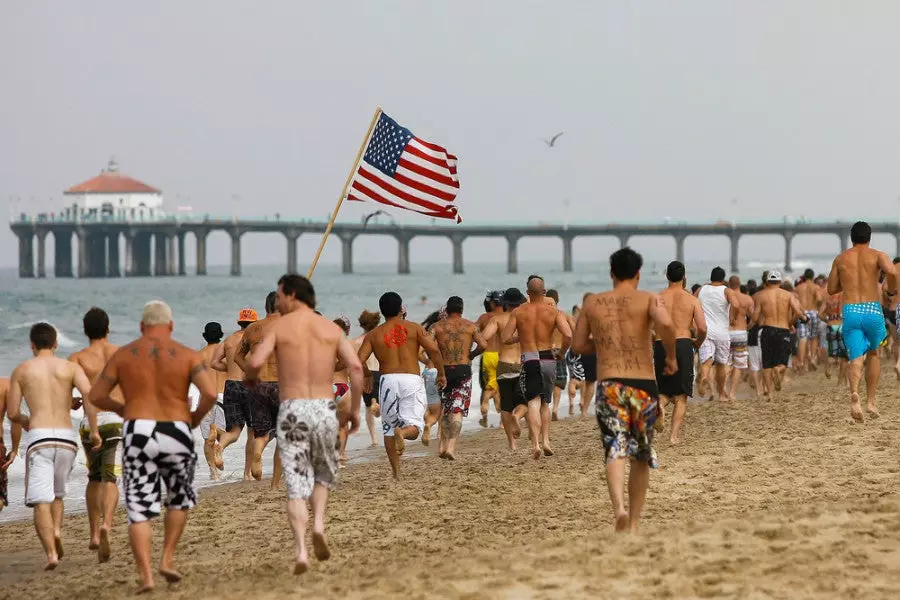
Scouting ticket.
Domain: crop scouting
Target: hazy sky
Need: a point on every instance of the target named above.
(669, 109)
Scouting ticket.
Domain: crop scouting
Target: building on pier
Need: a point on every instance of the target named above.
(112, 194)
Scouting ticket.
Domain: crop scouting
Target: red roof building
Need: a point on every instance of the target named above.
(113, 193)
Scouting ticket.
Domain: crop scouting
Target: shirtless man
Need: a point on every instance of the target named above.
(893, 310)
(576, 371)
(856, 273)
(236, 396)
(490, 357)
(369, 321)
(47, 382)
(810, 296)
(513, 405)
(532, 325)
(741, 309)
(716, 299)
(560, 382)
(619, 321)
(775, 309)
(402, 398)
(835, 350)
(104, 465)
(686, 313)
(340, 385)
(214, 421)
(154, 373)
(454, 337)
(306, 347)
(263, 397)
(7, 459)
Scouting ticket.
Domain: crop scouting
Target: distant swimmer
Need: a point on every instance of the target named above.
(738, 320)
(513, 405)
(369, 321)
(214, 422)
(488, 373)
(263, 398)
(687, 316)
(775, 309)
(810, 296)
(104, 465)
(455, 336)
(154, 374)
(532, 326)
(856, 273)
(7, 458)
(47, 382)
(402, 397)
(236, 396)
(306, 347)
(620, 321)
(716, 300)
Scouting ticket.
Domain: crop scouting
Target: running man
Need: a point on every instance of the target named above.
(835, 350)
(810, 296)
(893, 310)
(856, 273)
(402, 398)
(340, 386)
(560, 382)
(716, 298)
(532, 325)
(587, 368)
(429, 375)
(369, 321)
(47, 382)
(263, 398)
(489, 358)
(454, 337)
(105, 464)
(214, 421)
(686, 315)
(576, 371)
(306, 347)
(741, 309)
(7, 458)
(154, 373)
(616, 325)
(775, 309)
(513, 406)
(236, 396)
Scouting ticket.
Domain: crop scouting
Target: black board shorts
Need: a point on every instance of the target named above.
(776, 346)
(682, 382)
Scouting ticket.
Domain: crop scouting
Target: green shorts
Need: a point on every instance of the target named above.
(104, 464)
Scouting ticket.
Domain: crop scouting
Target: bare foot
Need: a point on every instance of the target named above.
(548, 451)
(399, 442)
(872, 411)
(374, 444)
(300, 567)
(51, 564)
(554, 416)
(536, 453)
(376, 410)
(855, 408)
(483, 421)
(320, 546)
(145, 589)
(622, 522)
(170, 575)
(59, 547)
(442, 455)
(104, 551)
(426, 436)
(828, 373)
(92, 545)
(778, 382)
(218, 457)
(449, 456)
(674, 441)
(517, 431)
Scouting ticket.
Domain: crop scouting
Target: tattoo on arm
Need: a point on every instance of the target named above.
(198, 368)
(244, 347)
(106, 378)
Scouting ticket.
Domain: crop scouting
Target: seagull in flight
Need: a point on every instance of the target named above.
(369, 217)
(552, 141)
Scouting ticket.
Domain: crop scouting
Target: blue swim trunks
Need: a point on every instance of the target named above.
(863, 328)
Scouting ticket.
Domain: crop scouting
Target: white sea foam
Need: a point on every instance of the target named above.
(62, 339)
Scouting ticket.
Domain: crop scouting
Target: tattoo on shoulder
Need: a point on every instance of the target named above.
(172, 352)
(135, 351)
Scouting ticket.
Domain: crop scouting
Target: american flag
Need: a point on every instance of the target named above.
(399, 169)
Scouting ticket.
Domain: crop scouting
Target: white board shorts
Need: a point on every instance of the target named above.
(719, 351)
(48, 464)
(215, 416)
(755, 358)
(403, 401)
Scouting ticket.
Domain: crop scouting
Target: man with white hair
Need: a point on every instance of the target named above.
(154, 373)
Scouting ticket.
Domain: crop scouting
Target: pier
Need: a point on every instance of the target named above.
(157, 247)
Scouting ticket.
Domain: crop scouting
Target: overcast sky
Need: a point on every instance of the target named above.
(694, 110)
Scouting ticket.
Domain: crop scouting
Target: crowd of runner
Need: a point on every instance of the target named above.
(296, 377)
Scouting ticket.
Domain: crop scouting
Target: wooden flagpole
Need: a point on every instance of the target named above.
(340, 201)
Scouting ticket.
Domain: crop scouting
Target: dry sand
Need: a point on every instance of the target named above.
(787, 499)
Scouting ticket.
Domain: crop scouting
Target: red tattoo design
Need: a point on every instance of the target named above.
(396, 337)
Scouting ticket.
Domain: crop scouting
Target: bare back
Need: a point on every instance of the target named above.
(46, 383)
(306, 348)
(739, 311)
(231, 344)
(155, 375)
(682, 307)
(253, 335)
(396, 346)
(509, 353)
(207, 353)
(857, 272)
(454, 337)
(619, 322)
(535, 323)
(92, 359)
(775, 307)
(481, 323)
(809, 295)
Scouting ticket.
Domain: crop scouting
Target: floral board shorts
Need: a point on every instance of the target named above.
(457, 394)
(626, 416)
(308, 445)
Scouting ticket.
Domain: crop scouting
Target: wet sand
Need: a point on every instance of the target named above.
(785, 499)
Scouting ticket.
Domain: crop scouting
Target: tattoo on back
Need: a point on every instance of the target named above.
(154, 353)
(135, 351)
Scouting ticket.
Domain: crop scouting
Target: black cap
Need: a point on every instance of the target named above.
(495, 296)
(212, 333)
(513, 297)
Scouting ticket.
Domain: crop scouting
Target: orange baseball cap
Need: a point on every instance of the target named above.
(247, 315)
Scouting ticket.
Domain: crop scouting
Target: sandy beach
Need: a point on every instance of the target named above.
(785, 499)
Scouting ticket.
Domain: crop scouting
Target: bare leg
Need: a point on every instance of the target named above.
(175, 521)
(276, 468)
(43, 524)
(615, 481)
(757, 383)
(638, 481)
(721, 375)
(557, 393)
(57, 510)
(660, 424)
(510, 426)
(767, 384)
(319, 501)
(432, 416)
(800, 359)
(735, 378)
(227, 438)
(485, 404)
(545, 429)
(298, 516)
(873, 374)
(678, 418)
(855, 375)
(92, 497)
(110, 501)
(370, 423)
(443, 435)
(534, 425)
(259, 444)
(587, 395)
(573, 384)
(140, 535)
(209, 451)
(248, 455)
(452, 427)
(703, 384)
(394, 458)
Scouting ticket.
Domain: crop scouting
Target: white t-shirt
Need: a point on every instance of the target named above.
(716, 310)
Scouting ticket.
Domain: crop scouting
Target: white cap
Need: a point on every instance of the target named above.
(774, 276)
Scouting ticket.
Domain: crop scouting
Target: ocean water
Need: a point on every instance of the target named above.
(219, 297)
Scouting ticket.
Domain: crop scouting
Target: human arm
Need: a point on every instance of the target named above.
(83, 385)
(217, 361)
(434, 353)
(798, 310)
(240, 356)
(699, 324)
(665, 331)
(252, 364)
(508, 335)
(480, 344)
(14, 401)
(890, 273)
(562, 324)
(15, 431)
(490, 330)
(349, 357)
(206, 384)
(363, 354)
(99, 396)
(834, 279)
(581, 338)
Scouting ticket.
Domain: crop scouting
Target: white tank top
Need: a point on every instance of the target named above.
(716, 310)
